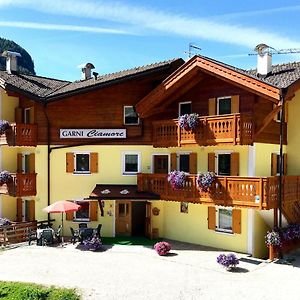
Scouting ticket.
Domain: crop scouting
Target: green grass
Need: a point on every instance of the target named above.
(128, 240)
(31, 291)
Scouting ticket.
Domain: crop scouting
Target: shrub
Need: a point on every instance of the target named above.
(162, 248)
(205, 180)
(93, 243)
(177, 179)
(228, 261)
(4, 125)
(5, 177)
(189, 121)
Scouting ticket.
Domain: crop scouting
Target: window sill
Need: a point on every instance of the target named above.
(78, 173)
(223, 232)
(130, 174)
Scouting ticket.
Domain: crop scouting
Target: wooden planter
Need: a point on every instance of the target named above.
(273, 252)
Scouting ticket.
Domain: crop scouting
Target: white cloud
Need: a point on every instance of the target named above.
(43, 26)
(167, 23)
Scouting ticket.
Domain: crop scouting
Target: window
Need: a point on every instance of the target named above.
(82, 163)
(224, 106)
(131, 163)
(184, 163)
(185, 108)
(224, 162)
(224, 220)
(83, 214)
(130, 116)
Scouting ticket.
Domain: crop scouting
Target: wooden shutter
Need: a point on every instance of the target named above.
(193, 163)
(70, 216)
(93, 211)
(236, 221)
(19, 209)
(284, 164)
(286, 112)
(211, 106)
(211, 218)
(235, 104)
(19, 163)
(31, 163)
(94, 162)
(234, 164)
(273, 164)
(18, 115)
(70, 162)
(31, 212)
(31, 115)
(173, 161)
(211, 162)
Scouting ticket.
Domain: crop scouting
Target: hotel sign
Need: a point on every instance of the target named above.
(92, 133)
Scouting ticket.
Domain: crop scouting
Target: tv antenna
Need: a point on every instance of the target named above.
(191, 48)
(261, 49)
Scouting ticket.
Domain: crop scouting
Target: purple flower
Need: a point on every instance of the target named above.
(4, 125)
(162, 248)
(228, 261)
(177, 179)
(5, 177)
(273, 238)
(205, 180)
(94, 243)
(188, 121)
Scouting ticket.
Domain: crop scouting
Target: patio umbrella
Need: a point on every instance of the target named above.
(62, 207)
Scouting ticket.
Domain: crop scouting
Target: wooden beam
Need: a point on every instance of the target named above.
(268, 119)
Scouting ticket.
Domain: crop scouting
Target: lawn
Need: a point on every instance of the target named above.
(30, 291)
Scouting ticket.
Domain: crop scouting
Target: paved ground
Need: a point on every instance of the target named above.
(136, 272)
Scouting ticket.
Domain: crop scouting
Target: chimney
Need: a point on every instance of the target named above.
(11, 61)
(86, 70)
(264, 59)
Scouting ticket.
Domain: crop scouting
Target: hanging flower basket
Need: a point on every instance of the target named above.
(205, 181)
(5, 177)
(189, 121)
(177, 179)
(4, 125)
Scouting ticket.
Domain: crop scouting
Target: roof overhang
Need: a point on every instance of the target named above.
(194, 67)
(120, 192)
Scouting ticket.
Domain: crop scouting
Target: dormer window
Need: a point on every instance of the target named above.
(184, 108)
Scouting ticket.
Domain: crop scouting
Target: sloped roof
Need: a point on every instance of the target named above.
(47, 89)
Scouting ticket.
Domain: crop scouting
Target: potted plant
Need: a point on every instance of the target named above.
(189, 121)
(94, 243)
(177, 179)
(228, 261)
(4, 222)
(205, 180)
(4, 125)
(273, 241)
(5, 177)
(162, 248)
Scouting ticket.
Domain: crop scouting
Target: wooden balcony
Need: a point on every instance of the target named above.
(236, 191)
(20, 135)
(22, 185)
(234, 129)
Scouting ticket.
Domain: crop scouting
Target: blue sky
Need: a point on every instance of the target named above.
(117, 35)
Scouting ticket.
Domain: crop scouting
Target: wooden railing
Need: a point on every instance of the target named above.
(16, 233)
(236, 129)
(20, 135)
(251, 192)
(22, 185)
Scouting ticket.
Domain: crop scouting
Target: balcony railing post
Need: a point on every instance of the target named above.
(234, 129)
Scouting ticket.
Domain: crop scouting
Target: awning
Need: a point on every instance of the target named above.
(119, 192)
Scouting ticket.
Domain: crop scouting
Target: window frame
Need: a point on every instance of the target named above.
(130, 124)
(75, 163)
(218, 228)
(179, 107)
(75, 219)
(218, 104)
(128, 173)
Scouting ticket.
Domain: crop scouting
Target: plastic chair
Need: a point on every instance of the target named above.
(82, 225)
(75, 236)
(58, 233)
(31, 235)
(98, 230)
(47, 237)
(85, 233)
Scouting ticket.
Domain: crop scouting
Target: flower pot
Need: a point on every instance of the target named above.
(272, 252)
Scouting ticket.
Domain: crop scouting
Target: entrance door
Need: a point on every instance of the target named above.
(123, 218)
(148, 225)
(161, 164)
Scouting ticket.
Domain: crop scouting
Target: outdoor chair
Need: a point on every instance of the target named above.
(47, 237)
(58, 233)
(31, 236)
(85, 234)
(98, 231)
(82, 225)
(75, 236)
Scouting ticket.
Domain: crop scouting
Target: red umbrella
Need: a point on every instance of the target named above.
(62, 207)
